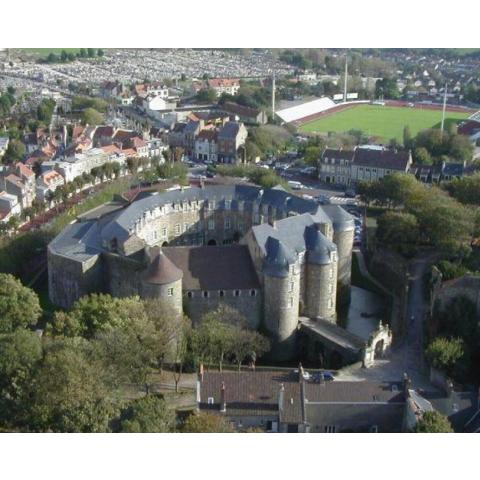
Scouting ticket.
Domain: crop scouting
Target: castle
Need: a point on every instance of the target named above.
(269, 254)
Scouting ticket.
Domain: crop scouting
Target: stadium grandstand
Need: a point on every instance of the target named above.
(303, 110)
(475, 116)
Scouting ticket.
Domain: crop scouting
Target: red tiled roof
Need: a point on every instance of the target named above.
(24, 170)
(223, 82)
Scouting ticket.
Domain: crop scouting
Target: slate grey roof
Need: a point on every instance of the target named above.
(319, 247)
(162, 270)
(214, 267)
(79, 241)
(352, 406)
(278, 259)
(277, 199)
(367, 157)
(114, 222)
(342, 221)
(293, 235)
(338, 154)
(229, 130)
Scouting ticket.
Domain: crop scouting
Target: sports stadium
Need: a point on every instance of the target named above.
(384, 120)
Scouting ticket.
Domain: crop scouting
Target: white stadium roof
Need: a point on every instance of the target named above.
(305, 109)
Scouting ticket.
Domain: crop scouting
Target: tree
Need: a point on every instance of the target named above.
(460, 148)
(407, 137)
(96, 313)
(183, 330)
(149, 414)
(443, 353)
(164, 319)
(91, 52)
(100, 52)
(248, 343)
(15, 152)
(45, 110)
(422, 157)
(68, 393)
(20, 352)
(129, 351)
(208, 95)
(19, 305)
(206, 423)
(433, 422)
(397, 229)
(312, 155)
(90, 116)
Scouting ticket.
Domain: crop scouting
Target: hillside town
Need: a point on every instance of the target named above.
(212, 231)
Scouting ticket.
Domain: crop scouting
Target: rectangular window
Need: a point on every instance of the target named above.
(330, 288)
(190, 294)
(170, 292)
(177, 228)
(205, 294)
(228, 224)
(221, 293)
(211, 224)
(330, 429)
(330, 273)
(237, 293)
(330, 303)
(291, 286)
(185, 227)
(164, 232)
(290, 302)
(210, 401)
(253, 293)
(228, 204)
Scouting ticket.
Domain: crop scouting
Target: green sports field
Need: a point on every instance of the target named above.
(381, 121)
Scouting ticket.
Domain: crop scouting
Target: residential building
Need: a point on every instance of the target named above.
(8, 206)
(231, 142)
(4, 141)
(229, 86)
(206, 146)
(246, 115)
(14, 185)
(47, 183)
(365, 163)
(298, 402)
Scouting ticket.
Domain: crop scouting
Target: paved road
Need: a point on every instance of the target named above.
(406, 356)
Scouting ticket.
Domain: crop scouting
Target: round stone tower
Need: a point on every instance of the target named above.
(163, 280)
(281, 297)
(343, 233)
(321, 276)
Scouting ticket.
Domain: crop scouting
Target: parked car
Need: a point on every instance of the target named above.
(350, 193)
(295, 185)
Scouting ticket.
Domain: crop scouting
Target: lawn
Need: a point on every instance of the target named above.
(384, 122)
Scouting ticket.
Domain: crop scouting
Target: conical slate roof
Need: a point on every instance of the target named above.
(319, 247)
(162, 271)
(342, 221)
(278, 259)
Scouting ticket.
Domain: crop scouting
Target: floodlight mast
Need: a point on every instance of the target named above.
(273, 95)
(346, 80)
(444, 108)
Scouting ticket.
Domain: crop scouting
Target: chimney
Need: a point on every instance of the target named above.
(406, 385)
(200, 373)
(300, 373)
(281, 395)
(223, 403)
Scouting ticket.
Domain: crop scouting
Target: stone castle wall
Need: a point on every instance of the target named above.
(68, 280)
(197, 305)
(321, 291)
(281, 306)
